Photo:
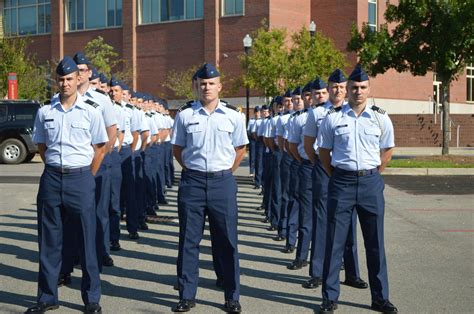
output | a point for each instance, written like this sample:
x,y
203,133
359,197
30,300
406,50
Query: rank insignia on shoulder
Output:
x,y
148,115
295,114
229,106
332,110
189,104
305,110
225,102
100,91
90,102
379,110
129,106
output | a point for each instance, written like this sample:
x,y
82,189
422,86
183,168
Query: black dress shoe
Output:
x,y
163,202
107,261
265,220
41,307
64,280
312,283
115,246
256,187
261,193
92,308
356,283
260,208
327,307
184,305
134,236
288,249
279,238
271,228
142,226
297,264
384,306
232,306
220,283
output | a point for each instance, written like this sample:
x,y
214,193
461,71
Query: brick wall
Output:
x,y
421,130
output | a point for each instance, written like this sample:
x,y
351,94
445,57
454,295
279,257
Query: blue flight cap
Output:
x,y
95,74
358,75
139,95
288,93
114,82
265,107
66,66
124,86
103,78
164,103
208,71
298,91
337,77
133,94
279,100
80,58
307,88
195,75
318,84
256,109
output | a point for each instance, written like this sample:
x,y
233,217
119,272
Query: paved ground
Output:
x,y
429,244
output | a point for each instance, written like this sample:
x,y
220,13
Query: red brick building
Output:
x,y
157,36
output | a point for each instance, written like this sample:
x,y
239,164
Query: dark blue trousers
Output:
x,y
160,173
305,218
285,164
293,205
115,185
127,192
139,214
102,198
259,149
252,147
267,182
215,196
364,194
168,160
275,206
67,199
150,174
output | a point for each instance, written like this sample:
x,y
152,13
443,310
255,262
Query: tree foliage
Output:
x,y
32,82
104,57
180,82
278,61
429,35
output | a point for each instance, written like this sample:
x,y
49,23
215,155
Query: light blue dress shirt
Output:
x,y
263,126
209,139
143,127
356,141
281,123
68,135
250,125
295,134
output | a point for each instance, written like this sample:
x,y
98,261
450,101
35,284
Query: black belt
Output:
x,y
358,173
68,170
209,174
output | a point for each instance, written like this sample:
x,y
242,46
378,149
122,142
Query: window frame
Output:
x,y
17,7
234,14
140,14
85,29
374,26
470,82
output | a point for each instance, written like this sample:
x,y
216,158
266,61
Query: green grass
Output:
x,y
413,163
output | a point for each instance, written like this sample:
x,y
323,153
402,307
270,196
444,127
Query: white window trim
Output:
x,y
470,77
375,26
232,15
18,7
140,15
106,17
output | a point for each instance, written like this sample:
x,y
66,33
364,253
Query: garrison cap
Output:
x,y
358,74
164,103
265,107
103,78
277,100
297,91
287,93
337,77
257,109
318,84
124,86
80,58
133,94
307,87
95,74
114,82
66,66
208,71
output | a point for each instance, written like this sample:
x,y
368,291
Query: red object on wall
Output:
x,y
12,86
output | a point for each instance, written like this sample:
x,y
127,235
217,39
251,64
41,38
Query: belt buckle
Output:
x,y
361,173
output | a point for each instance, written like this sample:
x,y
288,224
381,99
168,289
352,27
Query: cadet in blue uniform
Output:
x,y
71,140
361,140
209,141
258,151
250,125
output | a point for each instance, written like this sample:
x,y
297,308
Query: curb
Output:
x,y
429,171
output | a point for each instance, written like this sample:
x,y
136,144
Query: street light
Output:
x,y
247,46
312,29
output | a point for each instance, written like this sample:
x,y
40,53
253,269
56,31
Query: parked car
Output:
x,y
17,119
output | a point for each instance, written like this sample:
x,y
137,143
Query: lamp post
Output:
x,y
312,29
247,46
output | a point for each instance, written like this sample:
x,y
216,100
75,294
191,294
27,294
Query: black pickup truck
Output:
x,y
17,119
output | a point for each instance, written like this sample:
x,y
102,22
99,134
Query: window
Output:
x,y
157,11
232,7
26,17
92,14
372,15
470,82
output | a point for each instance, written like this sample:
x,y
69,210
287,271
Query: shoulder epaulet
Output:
x,y
225,102
117,103
379,110
90,102
305,109
269,117
129,106
149,115
189,104
229,106
296,113
332,110
100,91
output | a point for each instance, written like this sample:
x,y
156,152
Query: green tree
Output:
x,y
428,35
104,57
32,83
312,57
180,82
